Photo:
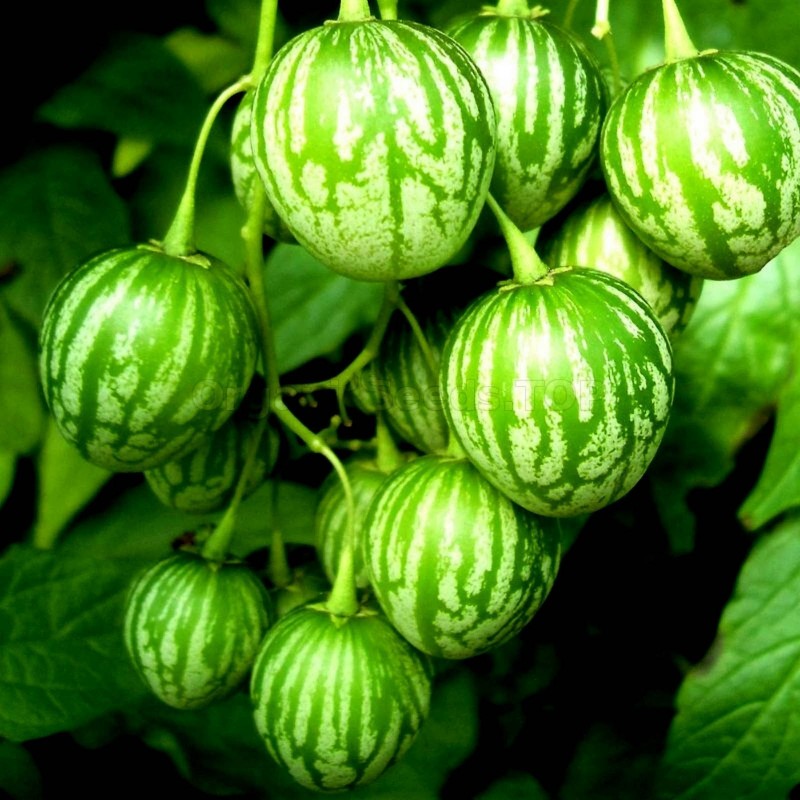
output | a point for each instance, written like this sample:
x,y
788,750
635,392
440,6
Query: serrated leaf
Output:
x,y
62,657
19,776
21,407
213,60
313,309
136,88
731,364
778,487
737,730
56,208
66,483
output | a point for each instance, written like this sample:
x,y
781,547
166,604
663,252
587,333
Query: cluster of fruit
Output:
x,y
378,143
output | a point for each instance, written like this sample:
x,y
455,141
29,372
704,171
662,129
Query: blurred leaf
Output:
x,y
19,776
129,154
56,209
731,365
314,310
737,730
517,786
107,534
214,61
21,406
62,656
136,88
8,467
778,488
66,483
237,19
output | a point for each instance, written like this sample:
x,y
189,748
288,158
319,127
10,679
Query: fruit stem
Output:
x,y
602,27
528,267
279,571
391,300
431,361
388,9
569,14
676,37
388,455
354,10
513,8
179,240
266,39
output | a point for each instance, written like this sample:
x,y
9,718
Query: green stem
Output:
x,y
179,240
528,267
676,37
388,456
266,38
388,9
391,300
431,361
513,8
354,11
602,27
280,572
569,14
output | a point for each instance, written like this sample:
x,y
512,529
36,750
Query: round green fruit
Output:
x,y
594,235
193,627
702,158
457,567
559,391
243,170
337,700
550,99
375,142
144,354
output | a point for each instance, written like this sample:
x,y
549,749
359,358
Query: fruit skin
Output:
x,y
330,519
337,700
559,391
702,158
594,235
193,627
143,355
550,98
243,170
375,143
205,480
456,566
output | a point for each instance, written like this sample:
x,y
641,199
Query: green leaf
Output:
x,y
731,364
213,60
66,483
778,488
737,730
136,88
19,776
129,154
516,786
56,208
314,310
8,467
21,406
237,19
62,657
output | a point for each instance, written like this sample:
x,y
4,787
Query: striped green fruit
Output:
x,y
144,354
375,142
205,479
456,566
243,170
595,235
702,158
193,628
338,699
559,391
330,519
550,98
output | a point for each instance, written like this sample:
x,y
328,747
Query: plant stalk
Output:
x,y
354,11
528,267
677,42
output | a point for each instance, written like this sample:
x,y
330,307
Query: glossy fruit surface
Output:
x,y
375,142
143,355
193,627
559,391
338,700
594,235
550,99
702,158
457,567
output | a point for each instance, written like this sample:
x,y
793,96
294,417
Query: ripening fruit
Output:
x,y
144,354
337,700
375,142
193,627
